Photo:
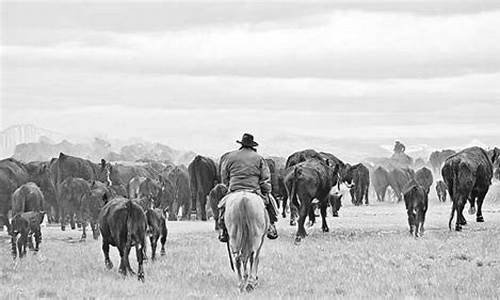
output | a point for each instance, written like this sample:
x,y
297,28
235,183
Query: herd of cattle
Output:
x,y
125,203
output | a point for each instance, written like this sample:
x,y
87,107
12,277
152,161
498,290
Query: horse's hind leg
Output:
x,y
252,278
237,261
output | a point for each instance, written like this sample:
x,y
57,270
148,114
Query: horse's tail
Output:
x,y
243,225
294,199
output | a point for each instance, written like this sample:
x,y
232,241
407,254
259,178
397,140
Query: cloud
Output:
x,y
340,44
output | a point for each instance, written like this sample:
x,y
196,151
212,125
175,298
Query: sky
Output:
x,y
196,75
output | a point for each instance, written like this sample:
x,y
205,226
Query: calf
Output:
x,y
335,203
123,224
416,206
441,190
75,199
215,195
156,228
28,197
26,224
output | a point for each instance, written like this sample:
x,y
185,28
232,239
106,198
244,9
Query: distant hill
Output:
x,y
30,143
25,133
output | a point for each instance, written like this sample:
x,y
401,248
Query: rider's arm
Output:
x,y
265,178
224,173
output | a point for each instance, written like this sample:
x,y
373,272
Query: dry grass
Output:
x,y
368,253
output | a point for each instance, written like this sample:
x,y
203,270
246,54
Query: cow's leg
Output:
x,y
153,239
460,217
480,200
13,243
105,250
384,191
301,231
95,230
21,244
472,201
140,260
174,210
72,221
126,253
203,205
84,231
411,220
312,217
366,194
353,196
186,210
38,239
283,210
62,218
198,205
30,241
123,263
293,214
323,208
163,239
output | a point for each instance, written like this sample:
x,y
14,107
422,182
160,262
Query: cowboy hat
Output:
x,y
247,140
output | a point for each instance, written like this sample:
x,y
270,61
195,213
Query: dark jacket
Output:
x,y
245,169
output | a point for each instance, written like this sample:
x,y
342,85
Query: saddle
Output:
x,y
267,200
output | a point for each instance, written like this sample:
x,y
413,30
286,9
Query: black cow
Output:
x,y
301,156
294,159
12,175
437,159
357,178
77,199
399,179
26,225
123,224
468,175
156,228
215,195
203,177
176,193
28,197
416,202
441,190
304,182
496,163
424,178
380,181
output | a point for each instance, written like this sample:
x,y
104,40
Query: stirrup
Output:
x,y
272,233
223,236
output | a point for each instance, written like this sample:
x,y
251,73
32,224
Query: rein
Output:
x,y
230,256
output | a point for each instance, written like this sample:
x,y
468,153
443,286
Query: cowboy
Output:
x,y
245,169
399,147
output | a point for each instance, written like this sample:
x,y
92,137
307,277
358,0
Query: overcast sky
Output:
x,y
197,75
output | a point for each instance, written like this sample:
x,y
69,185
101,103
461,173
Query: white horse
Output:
x,y
247,222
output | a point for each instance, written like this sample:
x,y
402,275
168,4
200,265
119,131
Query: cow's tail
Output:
x,y
294,199
455,195
130,218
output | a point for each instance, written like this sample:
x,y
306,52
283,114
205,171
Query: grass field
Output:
x,y
368,253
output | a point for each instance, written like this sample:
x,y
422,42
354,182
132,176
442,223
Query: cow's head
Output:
x,y
335,200
98,197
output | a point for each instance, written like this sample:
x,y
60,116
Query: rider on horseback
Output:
x,y
245,169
